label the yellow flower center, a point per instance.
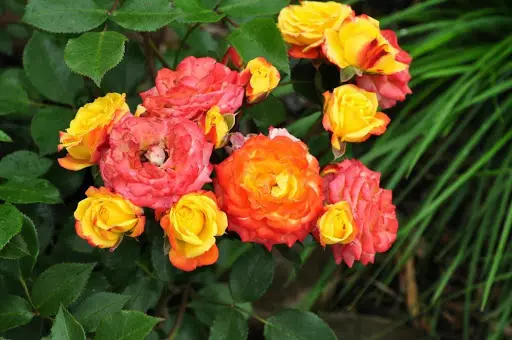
(337, 225)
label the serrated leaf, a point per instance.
(94, 308)
(64, 16)
(14, 312)
(125, 77)
(261, 38)
(144, 293)
(269, 112)
(293, 325)
(14, 249)
(5, 137)
(229, 325)
(145, 15)
(29, 234)
(251, 275)
(46, 125)
(160, 261)
(24, 163)
(251, 8)
(11, 221)
(68, 182)
(66, 327)
(29, 190)
(195, 11)
(61, 284)
(94, 53)
(125, 325)
(43, 61)
(13, 97)
(212, 300)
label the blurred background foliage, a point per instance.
(447, 156)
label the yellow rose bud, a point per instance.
(359, 43)
(192, 225)
(264, 77)
(216, 126)
(303, 25)
(337, 225)
(351, 114)
(103, 218)
(89, 130)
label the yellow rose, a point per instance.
(89, 130)
(351, 114)
(191, 226)
(360, 43)
(264, 77)
(303, 25)
(103, 218)
(337, 225)
(216, 126)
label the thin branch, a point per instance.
(181, 313)
(183, 41)
(234, 24)
(158, 54)
(148, 53)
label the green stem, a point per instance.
(25, 289)
(146, 270)
(183, 41)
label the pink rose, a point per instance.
(372, 209)
(389, 89)
(153, 161)
(197, 85)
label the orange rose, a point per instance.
(270, 188)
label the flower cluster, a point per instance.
(331, 32)
(270, 189)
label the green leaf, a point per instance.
(66, 327)
(270, 112)
(261, 38)
(11, 221)
(229, 325)
(251, 8)
(29, 234)
(13, 97)
(94, 308)
(145, 15)
(46, 125)
(94, 53)
(5, 43)
(214, 299)
(302, 126)
(125, 77)
(195, 11)
(160, 261)
(125, 325)
(24, 163)
(15, 249)
(29, 190)
(61, 284)
(64, 16)
(144, 293)
(5, 137)
(296, 325)
(43, 61)
(251, 275)
(68, 182)
(14, 312)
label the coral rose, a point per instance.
(303, 26)
(89, 130)
(270, 189)
(389, 89)
(191, 226)
(103, 218)
(197, 85)
(373, 212)
(262, 76)
(359, 43)
(153, 161)
(351, 114)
